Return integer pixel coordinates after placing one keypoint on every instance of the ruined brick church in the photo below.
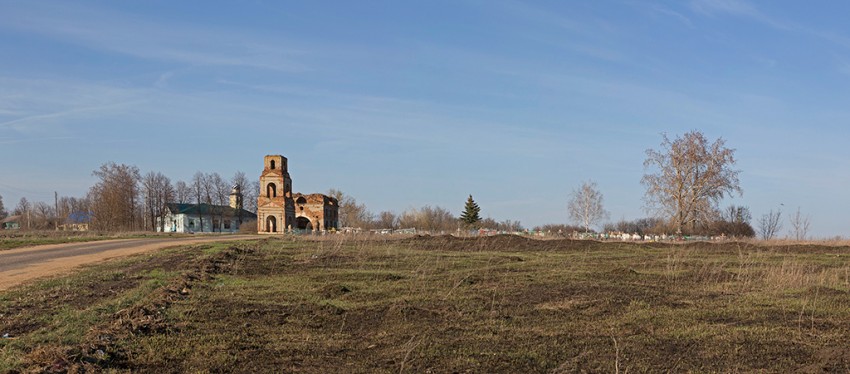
(280, 211)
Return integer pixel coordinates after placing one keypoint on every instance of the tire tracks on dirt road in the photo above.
(21, 265)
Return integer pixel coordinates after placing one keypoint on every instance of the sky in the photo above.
(402, 104)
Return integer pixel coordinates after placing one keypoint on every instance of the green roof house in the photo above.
(192, 218)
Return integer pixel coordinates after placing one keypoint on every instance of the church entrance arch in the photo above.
(271, 224)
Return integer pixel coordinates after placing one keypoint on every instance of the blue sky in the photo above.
(407, 103)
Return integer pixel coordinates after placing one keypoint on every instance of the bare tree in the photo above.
(158, 191)
(64, 208)
(799, 225)
(182, 192)
(208, 187)
(220, 196)
(737, 214)
(24, 209)
(769, 224)
(115, 198)
(387, 220)
(734, 221)
(351, 214)
(436, 219)
(433, 219)
(251, 193)
(586, 205)
(506, 225)
(249, 189)
(198, 188)
(239, 179)
(510, 226)
(641, 226)
(246, 189)
(42, 216)
(73, 209)
(688, 178)
(408, 219)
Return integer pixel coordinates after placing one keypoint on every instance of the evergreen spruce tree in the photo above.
(470, 215)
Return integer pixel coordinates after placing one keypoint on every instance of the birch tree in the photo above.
(688, 177)
(586, 205)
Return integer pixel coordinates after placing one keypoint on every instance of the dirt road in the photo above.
(21, 265)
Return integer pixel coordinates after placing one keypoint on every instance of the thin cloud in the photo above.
(119, 33)
(7, 112)
(734, 7)
(660, 10)
(587, 35)
(39, 139)
(608, 90)
(162, 81)
(36, 123)
(537, 15)
(743, 9)
(45, 105)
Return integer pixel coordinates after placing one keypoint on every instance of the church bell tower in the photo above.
(275, 206)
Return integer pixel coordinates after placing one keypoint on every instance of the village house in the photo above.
(197, 218)
(76, 221)
(11, 223)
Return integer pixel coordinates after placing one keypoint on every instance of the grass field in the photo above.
(11, 239)
(440, 304)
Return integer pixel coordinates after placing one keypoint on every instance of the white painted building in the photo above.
(192, 218)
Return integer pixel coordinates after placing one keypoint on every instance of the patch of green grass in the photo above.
(20, 239)
(58, 313)
(31, 242)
